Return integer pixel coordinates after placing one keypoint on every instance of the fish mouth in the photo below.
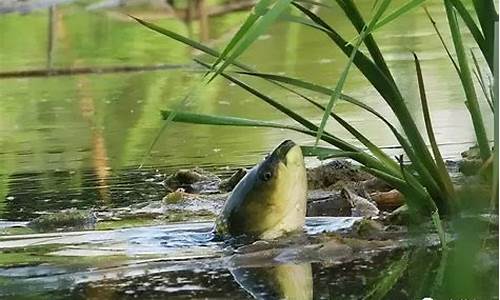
(282, 150)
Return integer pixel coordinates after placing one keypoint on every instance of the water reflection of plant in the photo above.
(425, 183)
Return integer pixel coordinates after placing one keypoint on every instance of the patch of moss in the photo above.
(35, 255)
(182, 215)
(127, 223)
(69, 219)
(16, 231)
(173, 197)
(25, 256)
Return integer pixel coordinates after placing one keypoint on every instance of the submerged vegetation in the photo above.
(425, 181)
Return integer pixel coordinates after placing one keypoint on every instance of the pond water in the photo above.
(76, 139)
(181, 261)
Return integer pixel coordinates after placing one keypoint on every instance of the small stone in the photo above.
(389, 200)
(360, 207)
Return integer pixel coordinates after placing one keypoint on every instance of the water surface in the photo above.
(78, 140)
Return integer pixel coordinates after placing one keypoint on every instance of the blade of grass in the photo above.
(350, 9)
(253, 33)
(468, 85)
(316, 3)
(419, 202)
(245, 27)
(323, 153)
(356, 19)
(298, 118)
(473, 28)
(484, 90)
(398, 183)
(445, 177)
(442, 40)
(487, 16)
(193, 118)
(394, 15)
(336, 93)
(436, 220)
(480, 79)
(376, 151)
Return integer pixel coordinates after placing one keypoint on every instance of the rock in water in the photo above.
(270, 200)
(360, 207)
(66, 220)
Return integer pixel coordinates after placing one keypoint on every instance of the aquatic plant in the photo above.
(425, 182)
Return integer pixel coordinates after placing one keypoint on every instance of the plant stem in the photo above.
(467, 83)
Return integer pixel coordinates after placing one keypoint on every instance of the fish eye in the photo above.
(266, 176)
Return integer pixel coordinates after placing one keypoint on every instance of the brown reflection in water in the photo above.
(100, 160)
(286, 281)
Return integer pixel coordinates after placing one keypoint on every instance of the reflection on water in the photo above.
(285, 281)
(174, 261)
(180, 261)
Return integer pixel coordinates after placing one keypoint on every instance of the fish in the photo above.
(271, 200)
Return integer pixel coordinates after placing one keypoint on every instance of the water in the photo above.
(179, 260)
(70, 137)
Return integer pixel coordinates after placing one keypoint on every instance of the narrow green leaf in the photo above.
(436, 220)
(397, 13)
(292, 81)
(298, 118)
(350, 10)
(388, 279)
(480, 79)
(325, 153)
(193, 118)
(418, 200)
(259, 27)
(316, 3)
(242, 31)
(442, 40)
(338, 89)
(396, 182)
(374, 149)
(467, 83)
(473, 28)
(445, 177)
(356, 19)
(177, 37)
(487, 16)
